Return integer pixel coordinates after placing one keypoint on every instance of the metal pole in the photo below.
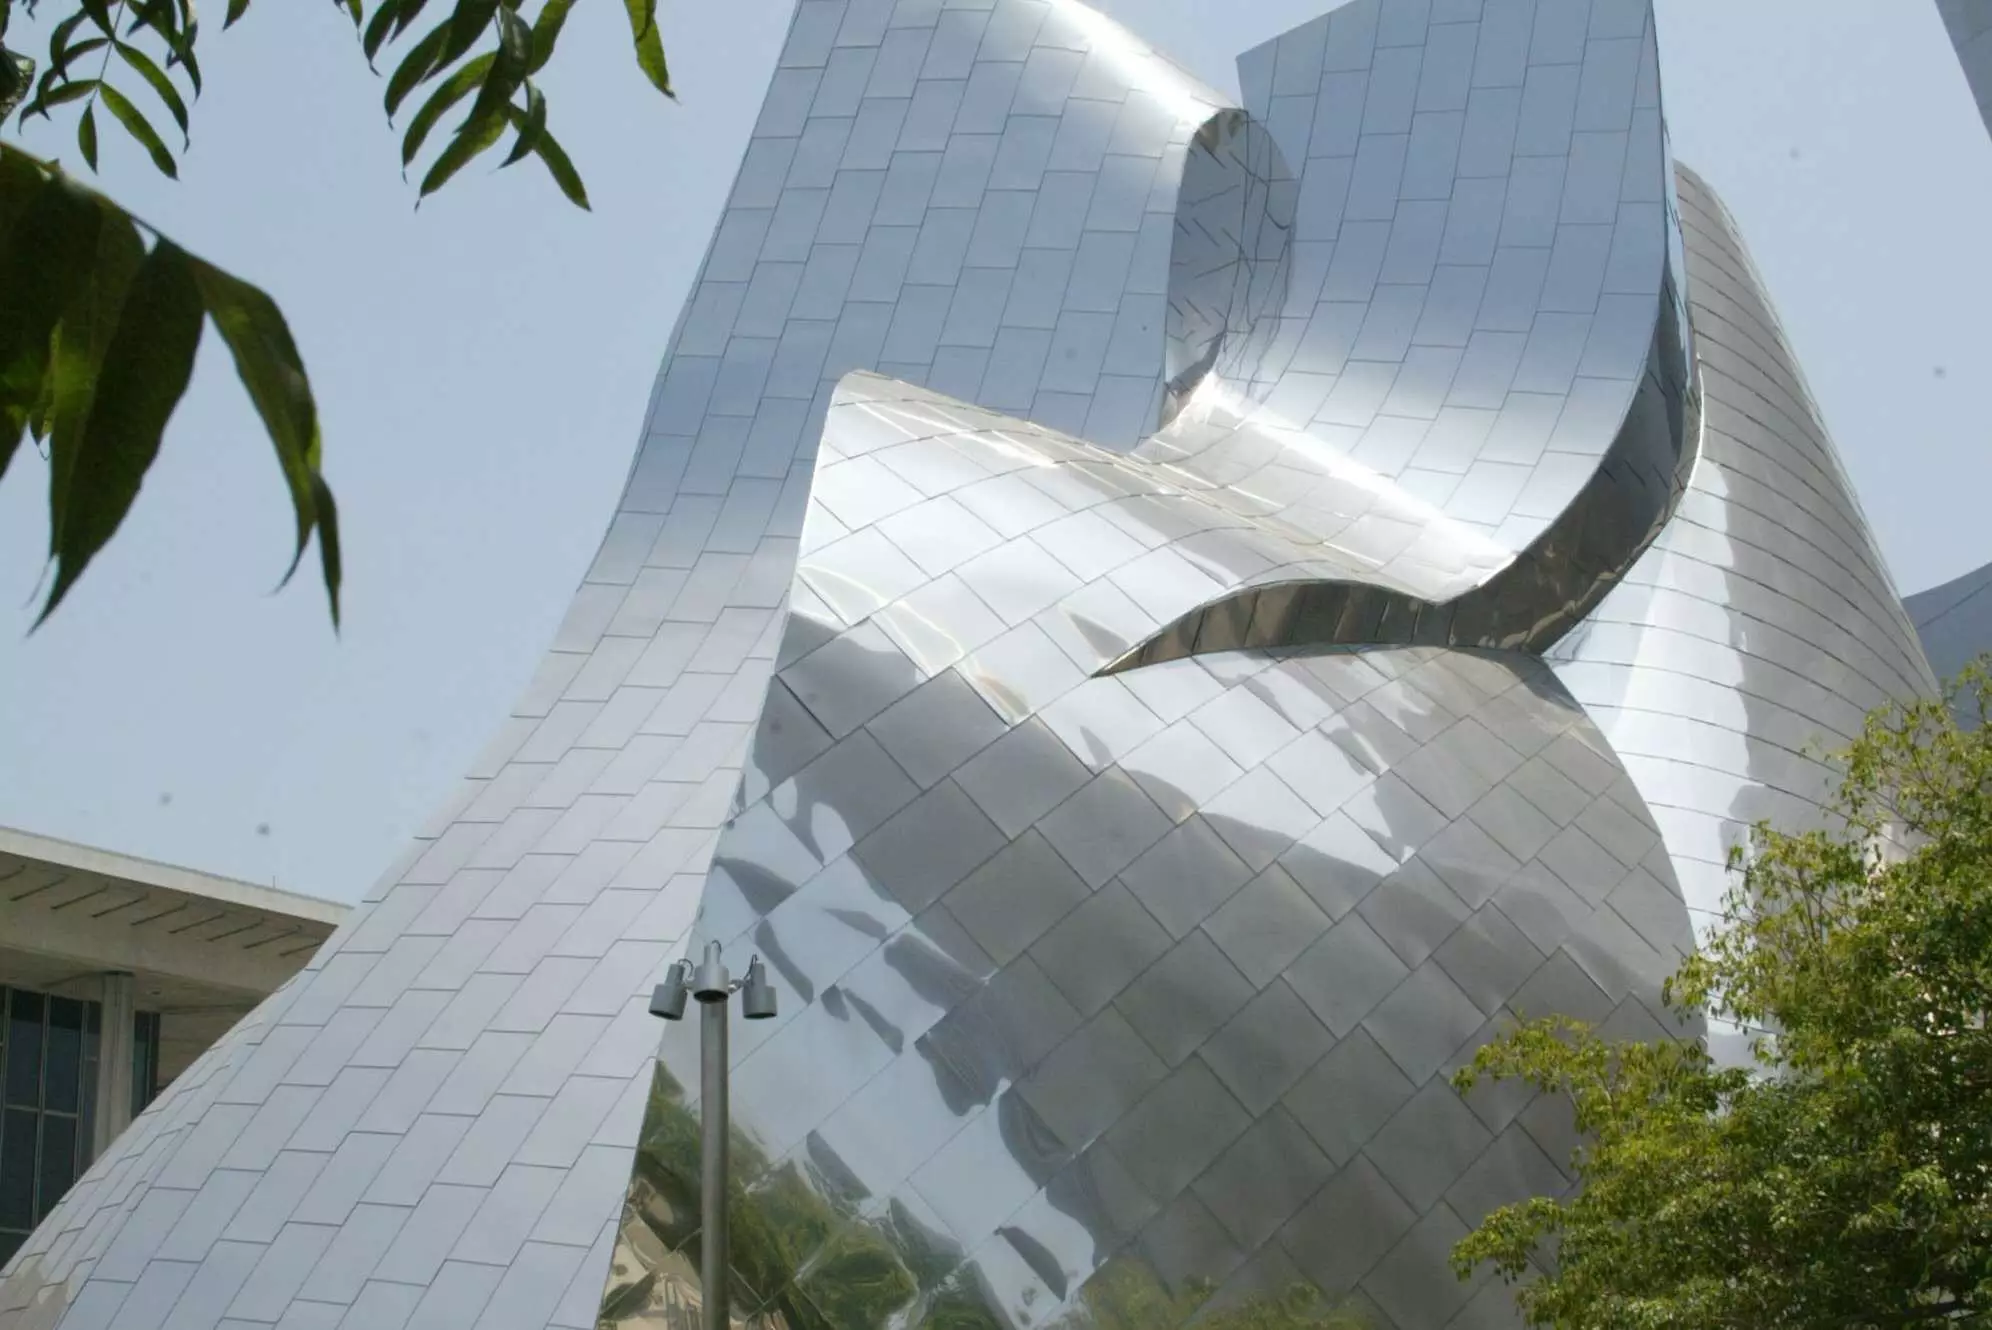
(712, 1188)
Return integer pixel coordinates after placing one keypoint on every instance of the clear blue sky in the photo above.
(482, 367)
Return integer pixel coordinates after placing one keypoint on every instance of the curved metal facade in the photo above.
(1164, 624)
(1762, 625)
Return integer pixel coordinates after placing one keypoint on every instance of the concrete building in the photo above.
(1165, 624)
(115, 974)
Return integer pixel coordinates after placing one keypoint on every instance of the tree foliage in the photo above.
(99, 328)
(1842, 1177)
(1126, 1295)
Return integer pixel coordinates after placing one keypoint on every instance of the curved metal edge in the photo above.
(1531, 604)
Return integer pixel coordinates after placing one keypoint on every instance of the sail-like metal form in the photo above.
(1166, 624)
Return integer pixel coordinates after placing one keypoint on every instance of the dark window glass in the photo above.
(86, 1129)
(18, 1168)
(86, 1125)
(58, 1161)
(24, 1048)
(9, 1244)
(144, 1060)
(63, 1063)
(48, 1086)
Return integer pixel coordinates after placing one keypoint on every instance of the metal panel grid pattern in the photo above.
(1954, 621)
(977, 196)
(433, 1124)
(1480, 241)
(1762, 625)
(1144, 981)
(1954, 624)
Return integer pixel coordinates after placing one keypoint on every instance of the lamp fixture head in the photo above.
(668, 998)
(757, 995)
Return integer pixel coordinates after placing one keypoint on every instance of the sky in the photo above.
(482, 367)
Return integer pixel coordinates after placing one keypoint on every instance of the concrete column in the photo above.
(114, 1058)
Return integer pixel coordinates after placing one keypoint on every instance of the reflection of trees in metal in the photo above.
(1039, 1085)
(1127, 1296)
(806, 1258)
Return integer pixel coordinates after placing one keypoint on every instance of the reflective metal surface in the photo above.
(1110, 996)
(1527, 605)
(1954, 623)
(1762, 625)
(1970, 25)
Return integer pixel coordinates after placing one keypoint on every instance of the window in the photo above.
(49, 1054)
(42, 1142)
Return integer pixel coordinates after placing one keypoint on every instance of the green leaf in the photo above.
(352, 7)
(183, 56)
(515, 40)
(414, 67)
(21, 181)
(162, 16)
(68, 92)
(76, 356)
(60, 53)
(161, 85)
(86, 136)
(268, 364)
(532, 126)
(407, 13)
(466, 144)
(236, 9)
(546, 31)
(60, 49)
(100, 14)
(447, 94)
(142, 377)
(46, 255)
(72, 54)
(17, 75)
(549, 151)
(649, 44)
(60, 32)
(328, 541)
(379, 28)
(139, 128)
(175, 25)
(466, 24)
(515, 49)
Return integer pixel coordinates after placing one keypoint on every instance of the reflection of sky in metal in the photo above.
(1135, 65)
(1199, 878)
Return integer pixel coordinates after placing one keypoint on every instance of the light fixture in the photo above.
(757, 995)
(668, 998)
(713, 986)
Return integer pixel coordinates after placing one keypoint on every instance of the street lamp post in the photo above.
(713, 986)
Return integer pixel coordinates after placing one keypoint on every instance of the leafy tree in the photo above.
(1843, 1176)
(814, 1254)
(1126, 1295)
(98, 330)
